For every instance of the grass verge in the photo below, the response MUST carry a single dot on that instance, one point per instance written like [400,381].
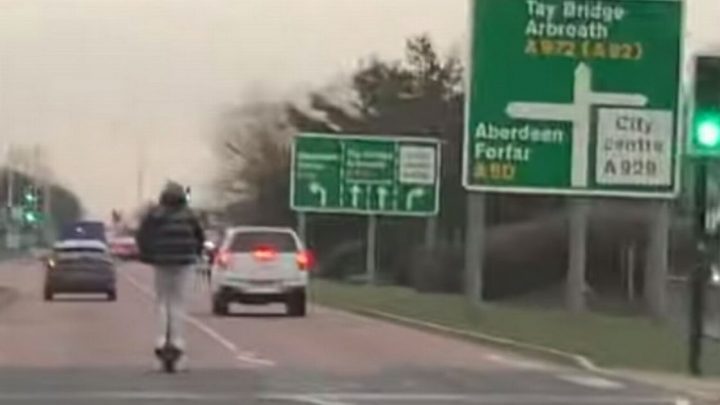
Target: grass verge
[631,342]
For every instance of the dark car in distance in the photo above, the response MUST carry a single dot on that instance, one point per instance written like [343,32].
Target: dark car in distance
[80,266]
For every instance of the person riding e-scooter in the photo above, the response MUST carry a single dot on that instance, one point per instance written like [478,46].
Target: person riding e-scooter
[171,240]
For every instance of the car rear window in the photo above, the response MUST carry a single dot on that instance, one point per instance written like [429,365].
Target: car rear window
[84,230]
[79,250]
[249,241]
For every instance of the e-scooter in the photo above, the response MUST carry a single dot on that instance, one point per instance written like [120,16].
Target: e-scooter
[168,354]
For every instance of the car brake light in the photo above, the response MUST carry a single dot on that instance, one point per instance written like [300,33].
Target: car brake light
[305,260]
[222,259]
[264,253]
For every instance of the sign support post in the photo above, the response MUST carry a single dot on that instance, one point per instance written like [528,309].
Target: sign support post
[475,247]
[371,252]
[699,275]
[575,283]
[656,259]
[302,227]
[431,229]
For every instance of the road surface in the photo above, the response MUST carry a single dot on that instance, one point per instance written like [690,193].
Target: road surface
[79,351]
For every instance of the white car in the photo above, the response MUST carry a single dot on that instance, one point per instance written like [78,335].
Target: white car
[260,265]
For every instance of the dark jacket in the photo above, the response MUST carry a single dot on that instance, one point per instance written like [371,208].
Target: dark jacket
[170,234]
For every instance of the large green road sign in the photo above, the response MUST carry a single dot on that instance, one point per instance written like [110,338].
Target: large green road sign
[365,175]
[574,97]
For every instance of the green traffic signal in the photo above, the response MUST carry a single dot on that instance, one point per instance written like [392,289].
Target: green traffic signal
[31,217]
[705,134]
[707,131]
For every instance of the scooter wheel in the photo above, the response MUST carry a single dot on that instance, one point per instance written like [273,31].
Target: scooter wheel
[169,366]
[169,357]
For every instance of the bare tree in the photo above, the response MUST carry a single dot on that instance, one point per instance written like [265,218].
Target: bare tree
[254,147]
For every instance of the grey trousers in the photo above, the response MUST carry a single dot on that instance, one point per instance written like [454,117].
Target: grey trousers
[171,285]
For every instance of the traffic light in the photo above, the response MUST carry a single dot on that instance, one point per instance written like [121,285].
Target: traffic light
[31,217]
[30,197]
[31,204]
[705,126]
[703,142]
[708,130]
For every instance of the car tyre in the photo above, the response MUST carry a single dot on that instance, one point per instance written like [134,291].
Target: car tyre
[219,305]
[297,304]
[112,295]
[48,294]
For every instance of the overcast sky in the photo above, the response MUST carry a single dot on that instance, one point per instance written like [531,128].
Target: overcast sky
[87,79]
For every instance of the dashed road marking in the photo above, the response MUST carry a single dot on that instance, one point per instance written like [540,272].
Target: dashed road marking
[244,356]
[477,399]
[250,357]
[335,399]
[516,362]
[305,399]
[592,382]
[124,396]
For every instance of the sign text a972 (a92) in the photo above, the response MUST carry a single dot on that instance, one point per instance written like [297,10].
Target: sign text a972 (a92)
[366,175]
[574,97]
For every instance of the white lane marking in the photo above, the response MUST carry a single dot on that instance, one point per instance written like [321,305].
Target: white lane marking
[250,357]
[116,396]
[592,381]
[304,399]
[339,398]
[516,362]
[212,333]
[245,356]
[510,399]
[156,396]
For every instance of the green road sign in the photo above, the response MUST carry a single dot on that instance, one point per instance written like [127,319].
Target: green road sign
[574,97]
[365,175]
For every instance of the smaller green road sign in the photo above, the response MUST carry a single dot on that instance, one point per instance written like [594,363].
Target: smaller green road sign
[365,175]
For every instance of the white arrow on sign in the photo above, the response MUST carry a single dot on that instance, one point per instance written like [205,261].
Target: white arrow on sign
[413,195]
[382,193]
[355,191]
[578,112]
[316,188]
